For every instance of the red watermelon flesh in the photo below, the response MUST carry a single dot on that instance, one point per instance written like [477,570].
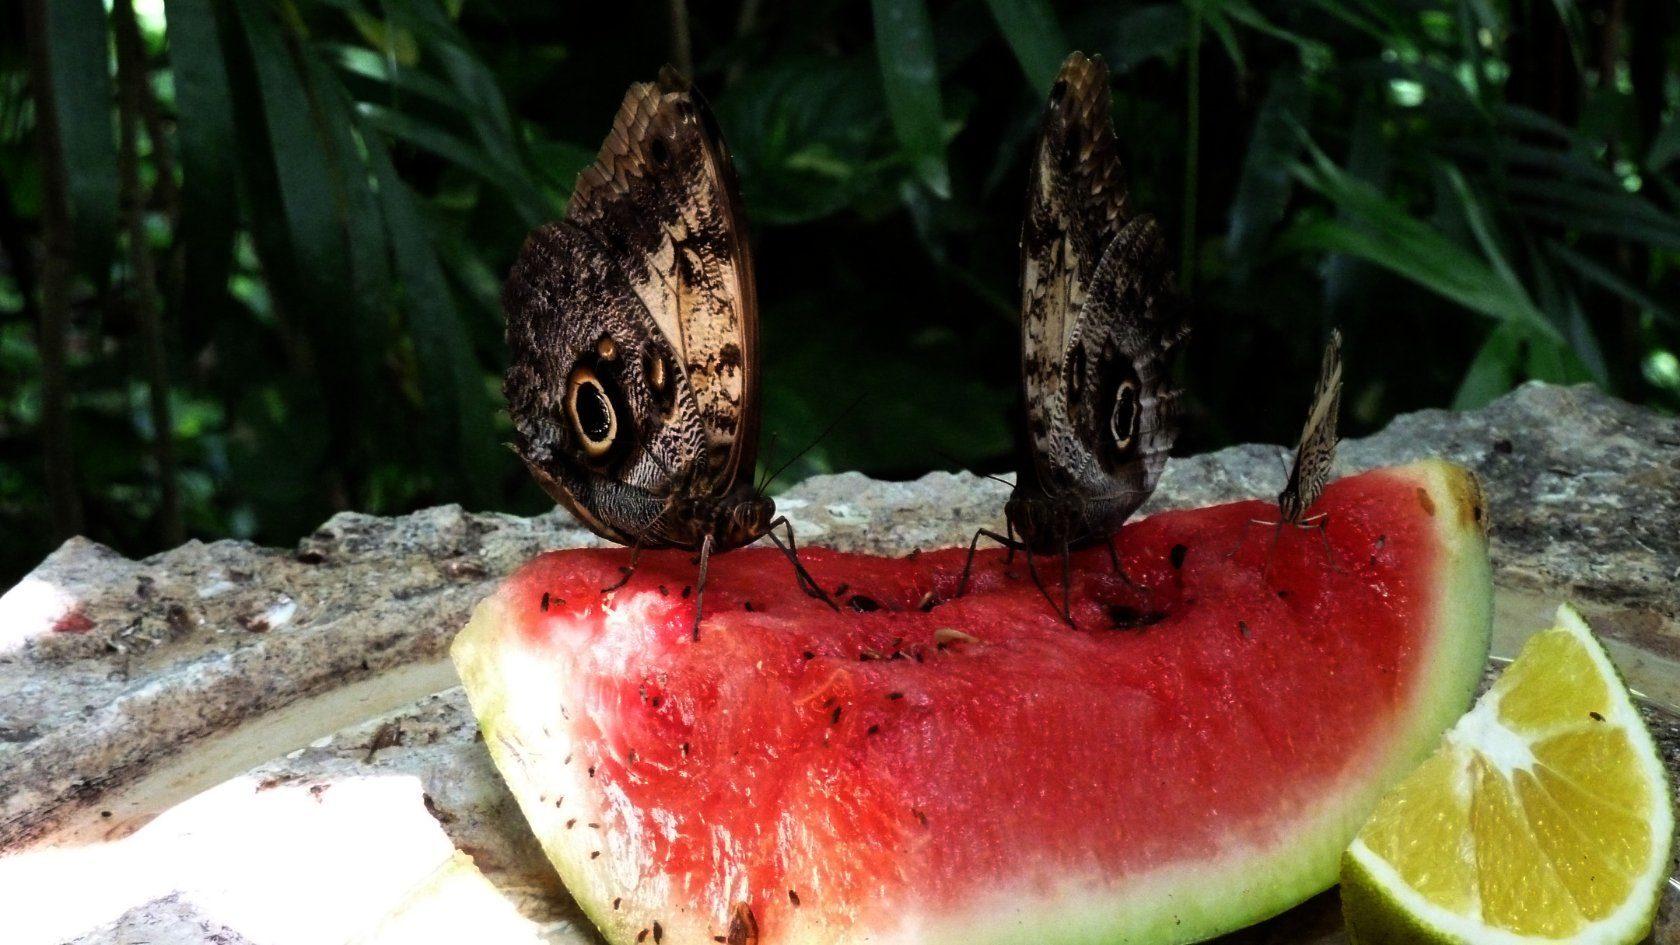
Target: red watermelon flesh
[1193,757]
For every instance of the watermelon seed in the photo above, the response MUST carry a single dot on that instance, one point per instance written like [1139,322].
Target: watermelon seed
[592,771]
[914,554]
[927,603]
[895,695]
[1177,554]
[793,897]
[920,816]
[559,801]
[808,655]
[841,590]
[1596,717]
[568,759]
[664,591]
[595,854]
[545,602]
[686,591]
[595,826]
[1282,593]
[656,701]
[743,927]
[1242,628]
[642,935]
[835,718]
[949,635]
[719,938]
[867,655]
[571,823]
[872,729]
[862,604]
[747,606]
[658,933]
[630,757]
[616,902]
[685,749]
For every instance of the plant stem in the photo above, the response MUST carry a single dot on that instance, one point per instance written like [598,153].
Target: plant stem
[131,91]
[56,270]
[1192,151]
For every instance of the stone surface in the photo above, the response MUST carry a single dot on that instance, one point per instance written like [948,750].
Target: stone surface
[273,680]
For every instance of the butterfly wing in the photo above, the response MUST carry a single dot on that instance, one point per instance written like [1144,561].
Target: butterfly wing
[1076,205]
[602,416]
[1123,407]
[1099,312]
[1316,452]
[663,200]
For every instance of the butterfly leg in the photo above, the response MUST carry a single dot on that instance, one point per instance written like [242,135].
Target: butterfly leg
[700,583]
[968,565]
[1067,585]
[628,571]
[1038,582]
[1321,523]
[807,583]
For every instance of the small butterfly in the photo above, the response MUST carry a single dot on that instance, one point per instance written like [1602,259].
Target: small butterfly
[633,324]
[1316,452]
[1100,320]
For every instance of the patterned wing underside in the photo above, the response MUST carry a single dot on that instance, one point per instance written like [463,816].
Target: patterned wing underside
[1127,331]
[1316,453]
[1076,204]
[662,198]
[563,296]
[1094,285]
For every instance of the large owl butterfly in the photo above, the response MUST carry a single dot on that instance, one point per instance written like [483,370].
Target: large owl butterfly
[1100,319]
[633,326]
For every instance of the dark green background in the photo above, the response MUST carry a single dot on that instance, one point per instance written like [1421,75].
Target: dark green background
[284,225]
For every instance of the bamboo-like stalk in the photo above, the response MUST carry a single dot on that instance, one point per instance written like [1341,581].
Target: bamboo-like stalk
[56,269]
[142,295]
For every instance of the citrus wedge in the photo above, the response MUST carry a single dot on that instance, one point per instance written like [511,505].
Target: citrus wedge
[1543,816]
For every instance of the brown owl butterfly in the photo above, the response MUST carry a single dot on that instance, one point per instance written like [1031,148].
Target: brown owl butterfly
[633,325]
[1100,319]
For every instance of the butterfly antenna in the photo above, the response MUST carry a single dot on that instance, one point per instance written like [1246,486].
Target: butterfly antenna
[951,458]
[771,451]
[817,439]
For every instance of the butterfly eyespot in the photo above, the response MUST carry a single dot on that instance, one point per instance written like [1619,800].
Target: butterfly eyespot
[590,411]
[1123,422]
[606,348]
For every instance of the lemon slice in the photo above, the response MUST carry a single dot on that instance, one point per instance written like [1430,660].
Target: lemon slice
[1544,816]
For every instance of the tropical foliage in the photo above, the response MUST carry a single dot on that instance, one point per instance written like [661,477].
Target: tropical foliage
[250,250]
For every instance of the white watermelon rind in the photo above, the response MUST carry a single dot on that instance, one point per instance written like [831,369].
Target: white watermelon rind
[1184,903]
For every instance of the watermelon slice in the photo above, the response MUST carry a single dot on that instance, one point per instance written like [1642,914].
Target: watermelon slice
[1192,758]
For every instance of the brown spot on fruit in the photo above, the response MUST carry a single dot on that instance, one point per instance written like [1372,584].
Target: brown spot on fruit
[1426,501]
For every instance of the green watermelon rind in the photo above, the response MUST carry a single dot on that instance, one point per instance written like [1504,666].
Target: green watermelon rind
[1175,905]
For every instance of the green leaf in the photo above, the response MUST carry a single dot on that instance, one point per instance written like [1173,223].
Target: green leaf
[1492,372]
[1388,236]
[910,77]
[308,192]
[1031,29]
[1608,278]
[459,427]
[1158,31]
[1263,189]
[209,173]
[81,99]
